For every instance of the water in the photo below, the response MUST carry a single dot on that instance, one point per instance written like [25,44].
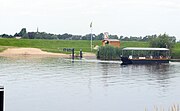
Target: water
[55,84]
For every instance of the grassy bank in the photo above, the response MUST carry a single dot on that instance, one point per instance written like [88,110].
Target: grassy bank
[48,45]
[176,51]
[58,45]
[134,44]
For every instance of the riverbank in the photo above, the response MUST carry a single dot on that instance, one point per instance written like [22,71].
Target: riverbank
[57,46]
[35,52]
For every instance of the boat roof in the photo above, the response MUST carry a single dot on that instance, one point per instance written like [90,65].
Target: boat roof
[139,48]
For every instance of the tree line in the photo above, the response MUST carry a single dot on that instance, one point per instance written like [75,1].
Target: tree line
[43,35]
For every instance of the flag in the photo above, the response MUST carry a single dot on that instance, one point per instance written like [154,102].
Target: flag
[91,25]
[106,35]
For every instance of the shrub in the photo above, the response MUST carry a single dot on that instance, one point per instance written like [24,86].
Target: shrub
[108,53]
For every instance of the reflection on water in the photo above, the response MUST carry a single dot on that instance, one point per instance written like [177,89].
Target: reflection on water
[54,84]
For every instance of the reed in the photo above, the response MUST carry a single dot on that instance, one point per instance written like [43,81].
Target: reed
[108,53]
[174,107]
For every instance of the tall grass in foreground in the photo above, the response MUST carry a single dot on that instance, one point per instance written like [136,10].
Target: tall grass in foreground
[174,107]
[108,53]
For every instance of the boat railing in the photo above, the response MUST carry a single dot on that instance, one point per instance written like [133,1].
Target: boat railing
[149,57]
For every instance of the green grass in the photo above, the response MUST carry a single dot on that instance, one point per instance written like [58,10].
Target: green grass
[57,45]
[134,44]
[49,45]
[176,51]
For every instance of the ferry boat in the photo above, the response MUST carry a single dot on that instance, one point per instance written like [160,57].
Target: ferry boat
[134,55]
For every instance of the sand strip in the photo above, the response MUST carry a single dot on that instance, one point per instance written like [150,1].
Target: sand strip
[38,52]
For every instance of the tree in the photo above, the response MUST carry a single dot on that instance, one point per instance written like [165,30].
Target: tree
[6,36]
[86,37]
[16,35]
[66,36]
[100,36]
[113,36]
[162,41]
[23,33]
[121,37]
[76,37]
[31,35]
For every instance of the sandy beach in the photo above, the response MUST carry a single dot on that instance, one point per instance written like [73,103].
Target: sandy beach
[35,52]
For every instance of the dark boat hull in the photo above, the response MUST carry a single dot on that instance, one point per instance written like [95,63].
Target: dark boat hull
[126,60]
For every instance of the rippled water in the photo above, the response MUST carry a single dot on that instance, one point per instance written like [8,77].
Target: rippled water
[55,84]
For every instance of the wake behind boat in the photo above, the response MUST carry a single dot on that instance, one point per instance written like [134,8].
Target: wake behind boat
[134,55]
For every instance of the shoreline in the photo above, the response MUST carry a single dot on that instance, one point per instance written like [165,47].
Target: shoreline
[35,52]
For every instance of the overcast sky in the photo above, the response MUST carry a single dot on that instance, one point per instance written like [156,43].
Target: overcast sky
[121,17]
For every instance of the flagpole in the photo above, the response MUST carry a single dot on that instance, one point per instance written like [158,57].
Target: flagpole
[91,39]
[91,35]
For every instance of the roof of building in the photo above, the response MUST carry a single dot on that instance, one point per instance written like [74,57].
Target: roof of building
[139,48]
[110,40]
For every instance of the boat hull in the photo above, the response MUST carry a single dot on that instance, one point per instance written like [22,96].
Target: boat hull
[126,60]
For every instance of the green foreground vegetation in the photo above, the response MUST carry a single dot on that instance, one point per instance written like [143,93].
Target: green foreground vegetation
[58,45]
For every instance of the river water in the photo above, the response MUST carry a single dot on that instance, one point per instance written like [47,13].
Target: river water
[56,84]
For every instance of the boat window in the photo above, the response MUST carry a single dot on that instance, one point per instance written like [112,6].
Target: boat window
[148,54]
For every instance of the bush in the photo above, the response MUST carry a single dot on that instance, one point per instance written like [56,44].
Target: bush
[108,53]
[162,41]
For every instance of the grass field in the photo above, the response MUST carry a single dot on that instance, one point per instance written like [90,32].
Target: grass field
[134,44]
[176,51]
[57,45]
[48,45]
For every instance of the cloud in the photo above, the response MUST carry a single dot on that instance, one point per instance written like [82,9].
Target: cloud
[55,7]
[146,16]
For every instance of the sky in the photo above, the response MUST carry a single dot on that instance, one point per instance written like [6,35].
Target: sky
[120,17]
